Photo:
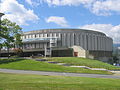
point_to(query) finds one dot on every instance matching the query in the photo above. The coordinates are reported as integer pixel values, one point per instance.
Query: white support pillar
(45, 47)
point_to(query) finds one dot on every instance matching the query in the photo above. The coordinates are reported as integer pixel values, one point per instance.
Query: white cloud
(110, 30)
(33, 2)
(105, 7)
(68, 2)
(57, 20)
(17, 12)
(98, 7)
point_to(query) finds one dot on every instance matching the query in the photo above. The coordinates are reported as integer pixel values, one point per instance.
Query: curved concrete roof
(63, 30)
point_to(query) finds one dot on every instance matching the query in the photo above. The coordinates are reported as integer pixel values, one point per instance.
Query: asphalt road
(58, 73)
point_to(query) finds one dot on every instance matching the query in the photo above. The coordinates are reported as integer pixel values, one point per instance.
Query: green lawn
(37, 82)
(22, 64)
(84, 62)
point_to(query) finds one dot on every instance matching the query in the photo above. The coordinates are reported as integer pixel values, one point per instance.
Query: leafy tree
(10, 34)
(18, 40)
(115, 59)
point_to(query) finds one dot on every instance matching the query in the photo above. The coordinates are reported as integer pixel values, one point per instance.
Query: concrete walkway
(58, 73)
(116, 72)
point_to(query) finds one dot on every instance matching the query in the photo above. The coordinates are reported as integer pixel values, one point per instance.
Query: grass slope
(37, 82)
(43, 66)
(85, 62)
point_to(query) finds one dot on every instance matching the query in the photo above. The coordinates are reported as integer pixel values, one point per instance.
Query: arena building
(68, 42)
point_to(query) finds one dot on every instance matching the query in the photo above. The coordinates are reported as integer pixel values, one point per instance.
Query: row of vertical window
(41, 35)
(35, 45)
(44, 35)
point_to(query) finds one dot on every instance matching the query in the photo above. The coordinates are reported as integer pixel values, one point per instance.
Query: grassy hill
(84, 62)
(26, 64)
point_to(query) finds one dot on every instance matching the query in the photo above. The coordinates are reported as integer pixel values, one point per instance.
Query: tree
(10, 34)
(115, 59)
(18, 40)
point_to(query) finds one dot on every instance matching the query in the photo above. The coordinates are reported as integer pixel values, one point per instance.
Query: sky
(98, 15)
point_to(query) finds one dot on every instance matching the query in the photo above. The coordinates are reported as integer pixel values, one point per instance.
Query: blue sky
(99, 15)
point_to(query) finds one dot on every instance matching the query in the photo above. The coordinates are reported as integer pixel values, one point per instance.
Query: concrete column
(95, 42)
(92, 43)
(64, 39)
(88, 42)
(60, 42)
(111, 45)
(102, 43)
(85, 42)
(90, 38)
(77, 39)
(68, 39)
(98, 38)
(81, 40)
(108, 44)
(72, 39)
(105, 43)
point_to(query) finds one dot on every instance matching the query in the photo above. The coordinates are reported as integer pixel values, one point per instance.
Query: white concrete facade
(87, 39)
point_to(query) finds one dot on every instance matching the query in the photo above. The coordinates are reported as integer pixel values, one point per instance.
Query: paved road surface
(58, 73)
(117, 75)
